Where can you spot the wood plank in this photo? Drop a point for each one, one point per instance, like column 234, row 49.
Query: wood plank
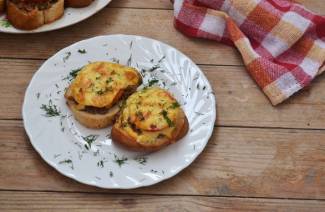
column 117, row 21
column 121, row 20
column 243, row 162
column 239, row 101
column 52, row 201
column 317, row 6
column 156, row 4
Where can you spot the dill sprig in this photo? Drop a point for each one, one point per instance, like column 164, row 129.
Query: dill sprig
column 82, row 51
column 73, row 74
column 89, row 140
column 152, row 82
column 50, row 109
column 175, row 105
column 141, row 160
column 67, row 161
column 120, row 161
column 67, row 56
column 165, row 115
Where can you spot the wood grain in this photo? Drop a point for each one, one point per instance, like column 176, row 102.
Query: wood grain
column 314, row 5
column 156, row 4
column 122, row 20
column 239, row 101
column 117, row 21
column 52, row 201
column 237, row 162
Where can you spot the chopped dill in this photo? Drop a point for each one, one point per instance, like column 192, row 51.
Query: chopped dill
column 89, row 140
column 73, row 74
column 51, row 110
column 67, row 56
column 165, row 115
column 100, row 163
column 141, row 160
column 120, row 161
column 82, row 51
column 175, row 105
column 152, row 82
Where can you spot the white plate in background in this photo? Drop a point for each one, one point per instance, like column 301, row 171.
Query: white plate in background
column 71, row 16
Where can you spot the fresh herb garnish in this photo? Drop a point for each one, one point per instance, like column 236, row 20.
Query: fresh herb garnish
column 141, row 160
column 120, row 161
column 5, row 23
column 57, row 155
column 173, row 84
column 89, row 139
column 100, row 92
column 109, row 80
column 165, row 115
column 51, row 110
column 129, row 62
column 73, row 74
column 100, row 163
column 155, row 67
column 111, row 174
column 67, row 56
column 152, row 82
column 163, row 57
column 140, row 116
column 115, row 60
column 67, row 161
column 82, row 51
column 175, row 105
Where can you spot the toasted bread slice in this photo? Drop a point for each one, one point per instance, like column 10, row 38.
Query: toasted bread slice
column 91, row 119
column 2, row 6
column 95, row 95
column 29, row 16
column 150, row 120
column 78, row 3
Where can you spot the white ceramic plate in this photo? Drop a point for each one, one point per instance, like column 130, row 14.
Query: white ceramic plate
column 60, row 140
column 71, row 16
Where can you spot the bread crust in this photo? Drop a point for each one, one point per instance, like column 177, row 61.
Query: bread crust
column 122, row 138
column 35, row 18
column 54, row 13
column 78, row 3
column 94, row 121
column 97, row 120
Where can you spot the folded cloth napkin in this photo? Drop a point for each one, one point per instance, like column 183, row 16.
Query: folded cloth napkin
column 282, row 43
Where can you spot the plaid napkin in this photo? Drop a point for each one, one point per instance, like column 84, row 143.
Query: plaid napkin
column 282, row 43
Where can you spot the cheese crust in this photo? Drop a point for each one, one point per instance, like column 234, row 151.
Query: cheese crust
column 97, row 89
column 150, row 119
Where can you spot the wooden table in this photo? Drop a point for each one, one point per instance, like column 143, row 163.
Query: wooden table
column 259, row 158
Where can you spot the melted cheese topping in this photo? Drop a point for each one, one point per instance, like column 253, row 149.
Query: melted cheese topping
column 150, row 114
column 101, row 84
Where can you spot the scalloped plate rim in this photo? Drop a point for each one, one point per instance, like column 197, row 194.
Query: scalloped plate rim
column 74, row 177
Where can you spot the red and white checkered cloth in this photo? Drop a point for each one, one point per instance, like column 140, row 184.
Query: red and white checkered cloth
column 282, row 43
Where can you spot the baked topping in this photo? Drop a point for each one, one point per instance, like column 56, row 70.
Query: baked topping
column 150, row 114
column 102, row 84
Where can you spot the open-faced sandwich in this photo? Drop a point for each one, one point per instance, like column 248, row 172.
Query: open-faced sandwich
column 96, row 94
column 78, row 3
column 31, row 14
column 149, row 120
